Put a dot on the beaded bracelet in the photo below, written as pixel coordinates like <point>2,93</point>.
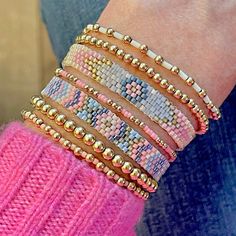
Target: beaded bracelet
<point>158,59</point>
<point>148,100</point>
<point>171,155</point>
<point>109,125</point>
<point>90,140</point>
<point>79,152</point>
<point>203,121</point>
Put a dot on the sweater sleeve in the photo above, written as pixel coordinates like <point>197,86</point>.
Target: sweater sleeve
<point>45,190</point>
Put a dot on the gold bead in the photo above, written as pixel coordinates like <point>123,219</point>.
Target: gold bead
<point>39,122</point>
<point>79,132</point>
<point>109,102</point>
<point>52,113</point>
<point>146,195</point>
<point>105,45</point>
<point>159,59</point>
<point>89,157</point>
<point>109,32</point>
<point>135,62</point>
<point>93,41</point>
<point>127,167</point>
<point>175,70</point>
<point>157,78</point>
<point>143,178</point>
<point>98,146</point>
<point>56,136</point>
<point>39,104</point>
<point>150,72</point>
<point>171,89</point>
<point>184,98</point>
<point>60,119</point>
<point>195,109</point>
<point>110,174</point>
<point>144,48</point>
<point>89,139</point>
<point>77,151</point>
<point>164,83</point>
<point>135,174</point>
<point>149,182</point>
<point>119,108</point>
<point>202,93</point>
<point>190,81</point>
<point>191,103</point>
<point>120,53</point>
<point>154,185</point>
<point>100,166</point>
<point>88,38</point>
<point>142,125</point>
<point>25,114</point>
<point>47,128</point>
<point>178,94</point>
<point>45,108</point>
<point>108,154</point>
<point>137,121</point>
<point>96,27</point>
<point>117,161</point>
<point>66,144</point>
<point>114,105</point>
<point>69,125</point>
<point>127,39</point>
<point>132,186</point>
<point>113,49</point>
<point>128,58</point>
<point>34,99</point>
<point>83,37</point>
<point>121,181</point>
<point>210,105</point>
<point>99,43</point>
<point>32,116</point>
<point>58,71</point>
<point>142,194</point>
<point>137,191</point>
<point>143,67</point>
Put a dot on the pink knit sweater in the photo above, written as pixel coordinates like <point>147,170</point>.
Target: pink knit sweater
<point>44,190</point>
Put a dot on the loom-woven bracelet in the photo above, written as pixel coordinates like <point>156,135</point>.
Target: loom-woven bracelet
<point>158,59</point>
<point>79,152</point>
<point>171,155</point>
<point>202,119</point>
<point>109,125</point>
<point>148,100</point>
<point>107,153</point>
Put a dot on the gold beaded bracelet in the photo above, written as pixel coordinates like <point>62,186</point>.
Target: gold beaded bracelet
<point>78,152</point>
<point>156,77</point>
<point>158,59</point>
<point>88,139</point>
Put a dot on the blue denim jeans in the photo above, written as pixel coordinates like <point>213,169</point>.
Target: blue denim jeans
<point>197,196</point>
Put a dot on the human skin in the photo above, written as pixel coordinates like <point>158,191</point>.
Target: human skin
<point>197,36</point>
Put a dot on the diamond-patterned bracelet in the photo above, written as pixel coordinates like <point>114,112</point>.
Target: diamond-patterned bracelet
<point>171,155</point>
<point>109,125</point>
<point>148,100</point>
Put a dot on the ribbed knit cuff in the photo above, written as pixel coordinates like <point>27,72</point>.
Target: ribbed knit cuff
<point>45,190</point>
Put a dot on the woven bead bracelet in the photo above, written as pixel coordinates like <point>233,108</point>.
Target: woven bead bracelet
<point>171,155</point>
<point>90,140</point>
<point>109,125</point>
<point>203,122</point>
<point>80,153</point>
<point>158,59</point>
<point>148,100</point>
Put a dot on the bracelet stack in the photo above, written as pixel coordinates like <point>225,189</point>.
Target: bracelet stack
<point>120,142</point>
